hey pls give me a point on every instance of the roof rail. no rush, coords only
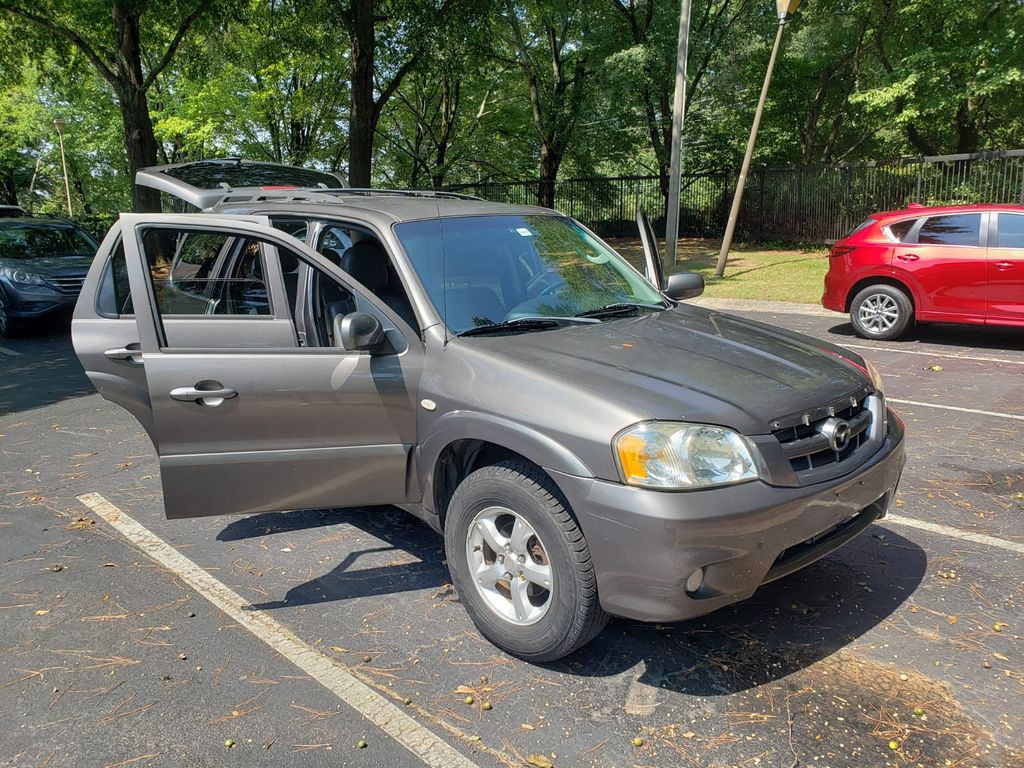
(368, 192)
(283, 195)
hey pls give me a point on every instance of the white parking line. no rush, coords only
(10, 352)
(956, 533)
(946, 355)
(996, 414)
(426, 745)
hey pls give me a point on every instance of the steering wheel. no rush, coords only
(550, 289)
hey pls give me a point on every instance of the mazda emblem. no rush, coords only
(837, 432)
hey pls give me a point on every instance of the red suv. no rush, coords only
(954, 264)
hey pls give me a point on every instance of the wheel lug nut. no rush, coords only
(522, 558)
(508, 576)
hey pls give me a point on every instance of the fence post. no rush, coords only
(920, 170)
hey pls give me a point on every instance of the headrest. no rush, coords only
(367, 262)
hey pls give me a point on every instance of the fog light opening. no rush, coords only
(694, 580)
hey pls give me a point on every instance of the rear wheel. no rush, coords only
(881, 312)
(520, 563)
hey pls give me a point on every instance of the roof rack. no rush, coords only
(284, 195)
(368, 192)
(329, 195)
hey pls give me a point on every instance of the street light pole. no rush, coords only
(59, 125)
(678, 117)
(785, 8)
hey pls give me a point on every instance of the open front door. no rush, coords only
(655, 272)
(244, 418)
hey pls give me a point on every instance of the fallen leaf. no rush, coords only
(689, 735)
(540, 761)
(338, 649)
(108, 565)
(42, 612)
(527, 727)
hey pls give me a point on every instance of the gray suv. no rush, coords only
(587, 444)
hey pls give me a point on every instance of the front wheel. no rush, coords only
(521, 564)
(881, 312)
(8, 325)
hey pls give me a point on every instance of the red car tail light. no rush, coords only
(840, 250)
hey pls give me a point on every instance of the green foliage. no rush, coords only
(465, 90)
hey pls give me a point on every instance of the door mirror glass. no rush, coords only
(684, 285)
(358, 331)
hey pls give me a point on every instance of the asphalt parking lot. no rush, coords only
(901, 649)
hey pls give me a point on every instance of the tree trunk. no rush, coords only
(8, 187)
(550, 160)
(363, 116)
(140, 143)
(139, 139)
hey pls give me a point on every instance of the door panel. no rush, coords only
(103, 324)
(652, 256)
(947, 265)
(1006, 270)
(297, 427)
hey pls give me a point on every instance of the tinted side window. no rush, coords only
(115, 297)
(901, 229)
(1011, 231)
(206, 273)
(958, 229)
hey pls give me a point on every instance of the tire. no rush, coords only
(545, 624)
(9, 326)
(881, 312)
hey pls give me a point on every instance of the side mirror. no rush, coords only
(684, 285)
(358, 331)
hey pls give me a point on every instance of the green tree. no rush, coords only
(127, 53)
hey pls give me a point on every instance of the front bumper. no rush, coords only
(29, 301)
(645, 543)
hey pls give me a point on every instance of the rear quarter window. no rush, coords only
(900, 230)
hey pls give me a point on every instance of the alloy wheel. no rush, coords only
(4, 320)
(878, 313)
(509, 566)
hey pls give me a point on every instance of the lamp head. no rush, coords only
(59, 124)
(786, 8)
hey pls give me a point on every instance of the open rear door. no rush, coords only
(204, 183)
(652, 256)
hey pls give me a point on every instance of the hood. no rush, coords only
(694, 364)
(51, 266)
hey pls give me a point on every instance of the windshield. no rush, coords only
(480, 270)
(31, 241)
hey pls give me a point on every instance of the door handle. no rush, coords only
(907, 256)
(210, 393)
(1002, 266)
(130, 354)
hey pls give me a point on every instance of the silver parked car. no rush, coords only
(586, 443)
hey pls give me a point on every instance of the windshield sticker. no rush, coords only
(524, 232)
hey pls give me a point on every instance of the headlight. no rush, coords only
(675, 455)
(875, 376)
(22, 277)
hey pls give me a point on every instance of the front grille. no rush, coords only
(67, 285)
(809, 446)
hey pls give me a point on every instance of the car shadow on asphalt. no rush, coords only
(786, 626)
(44, 370)
(980, 337)
(404, 554)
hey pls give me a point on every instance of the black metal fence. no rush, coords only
(802, 203)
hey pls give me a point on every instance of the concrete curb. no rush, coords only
(768, 307)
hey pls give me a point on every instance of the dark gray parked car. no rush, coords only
(42, 265)
(587, 444)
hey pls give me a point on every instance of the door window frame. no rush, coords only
(260, 228)
(995, 220)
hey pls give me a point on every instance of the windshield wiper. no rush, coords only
(539, 323)
(618, 308)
